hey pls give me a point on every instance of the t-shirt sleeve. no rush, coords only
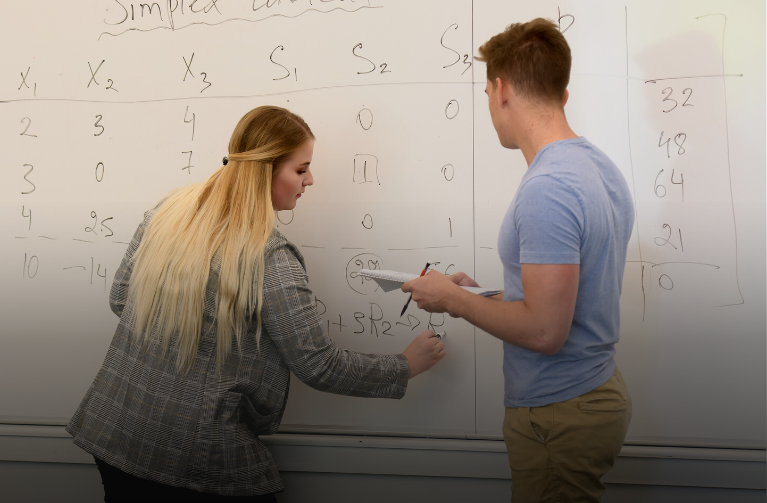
(549, 220)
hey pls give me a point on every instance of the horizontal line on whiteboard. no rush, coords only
(22, 237)
(742, 302)
(424, 248)
(352, 248)
(310, 246)
(645, 80)
(322, 88)
(487, 248)
(612, 75)
(246, 96)
(653, 81)
(75, 267)
(120, 242)
(655, 264)
(82, 240)
(46, 237)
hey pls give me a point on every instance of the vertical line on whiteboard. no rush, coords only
(631, 159)
(473, 210)
(729, 168)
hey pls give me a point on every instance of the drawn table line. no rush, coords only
(729, 164)
(318, 88)
(237, 97)
(653, 81)
(656, 264)
(74, 239)
(388, 249)
(631, 155)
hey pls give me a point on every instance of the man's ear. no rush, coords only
(503, 91)
(567, 95)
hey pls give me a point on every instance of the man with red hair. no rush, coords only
(563, 245)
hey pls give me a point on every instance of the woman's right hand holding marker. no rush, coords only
(424, 352)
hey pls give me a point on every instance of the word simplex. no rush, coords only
(145, 16)
(130, 12)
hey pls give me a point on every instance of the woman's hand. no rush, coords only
(424, 352)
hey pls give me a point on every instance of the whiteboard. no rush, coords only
(107, 105)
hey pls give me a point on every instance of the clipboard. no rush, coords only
(393, 280)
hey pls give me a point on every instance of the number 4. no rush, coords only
(681, 182)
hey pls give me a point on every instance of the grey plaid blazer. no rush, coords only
(200, 431)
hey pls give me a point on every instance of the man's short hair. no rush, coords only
(534, 57)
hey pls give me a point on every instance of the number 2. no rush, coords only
(688, 98)
(29, 123)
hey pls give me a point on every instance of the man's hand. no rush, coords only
(434, 292)
(462, 279)
(540, 322)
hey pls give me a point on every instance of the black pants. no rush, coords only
(122, 487)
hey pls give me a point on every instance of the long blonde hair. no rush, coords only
(229, 216)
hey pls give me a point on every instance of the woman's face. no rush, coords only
(292, 177)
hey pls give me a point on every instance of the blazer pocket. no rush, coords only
(603, 403)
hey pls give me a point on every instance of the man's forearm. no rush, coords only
(510, 321)
(541, 322)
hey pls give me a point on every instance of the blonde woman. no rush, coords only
(215, 310)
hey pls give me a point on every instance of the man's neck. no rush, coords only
(543, 127)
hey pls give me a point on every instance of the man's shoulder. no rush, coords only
(570, 154)
(576, 163)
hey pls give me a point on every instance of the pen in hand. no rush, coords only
(411, 295)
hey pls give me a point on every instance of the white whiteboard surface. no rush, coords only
(107, 105)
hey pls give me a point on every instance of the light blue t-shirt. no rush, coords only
(573, 206)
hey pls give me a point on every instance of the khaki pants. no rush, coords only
(559, 452)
